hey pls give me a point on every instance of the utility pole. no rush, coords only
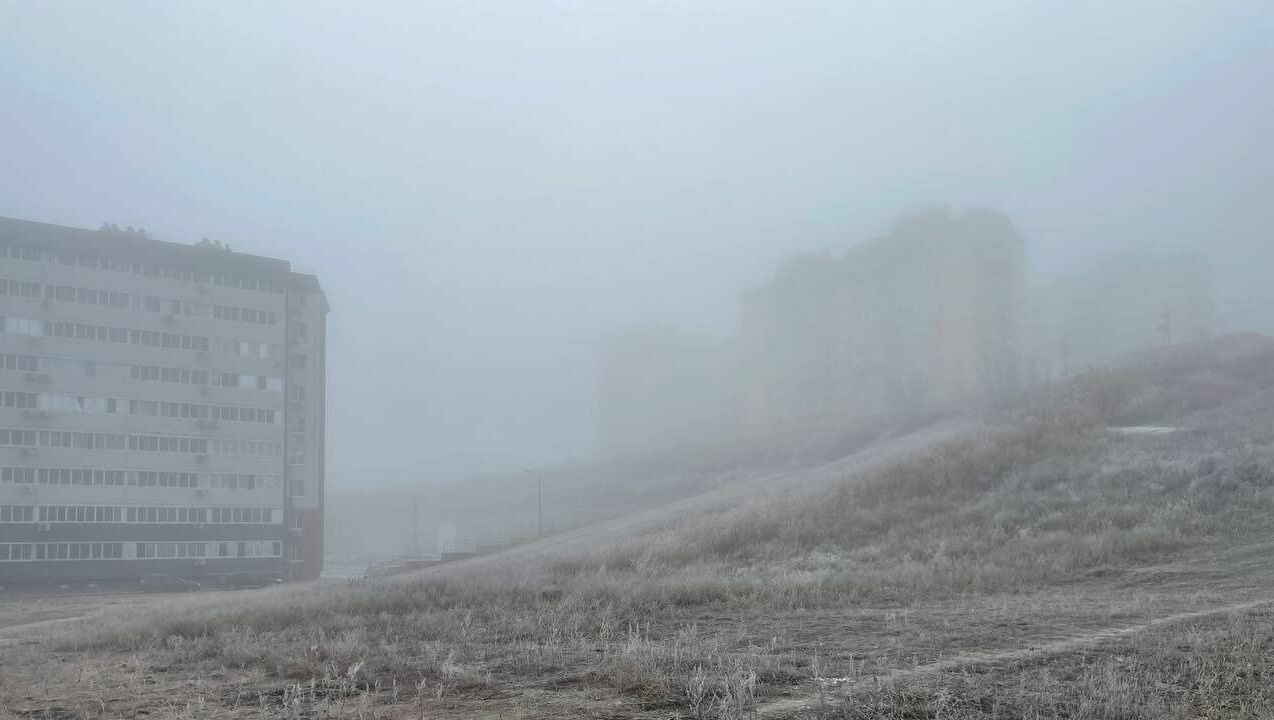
(1165, 324)
(539, 502)
(415, 525)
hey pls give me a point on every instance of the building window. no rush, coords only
(17, 513)
(15, 552)
(20, 363)
(296, 488)
(18, 552)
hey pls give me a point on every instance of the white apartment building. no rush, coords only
(161, 409)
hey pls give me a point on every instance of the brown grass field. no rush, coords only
(1026, 562)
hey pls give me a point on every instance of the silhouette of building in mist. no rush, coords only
(928, 314)
(161, 408)
(1126, 302)
(935, 312)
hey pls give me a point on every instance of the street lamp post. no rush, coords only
(539, 502)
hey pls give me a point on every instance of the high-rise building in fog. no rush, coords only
(930, 313)
(161, 408)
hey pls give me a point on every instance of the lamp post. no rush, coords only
(539, 503)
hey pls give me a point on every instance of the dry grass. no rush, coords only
(1219, 669)
(706, 615)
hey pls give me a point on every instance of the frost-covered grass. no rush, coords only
(702, 615)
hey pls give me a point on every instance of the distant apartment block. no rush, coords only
(161, 409)
(929, 314)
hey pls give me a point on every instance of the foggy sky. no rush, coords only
(485, 188)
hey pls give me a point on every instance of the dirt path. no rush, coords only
(7, 634)
(841, 689)
(23, 617)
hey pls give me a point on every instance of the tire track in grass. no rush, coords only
(839, 692)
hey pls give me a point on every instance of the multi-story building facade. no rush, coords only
(926, 315)
(161, 409)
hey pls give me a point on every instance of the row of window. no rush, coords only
(104, 333)
(245, 549)
(101, 441)
(140, 443)
(82, 513)
(106, 298)
(20, 552)
(133, 336)
(83, 405)
(17, 513)
(24, 400)
(142, 478)
(21, 363)
(247, 448)
(27, 552)
(18, 288)
(238, 348)
(142, 373)
(243, 481)
(247, 315)
(166, 550)
(197, 411)
(155, 373)
(134, 514)
(86, 260)
(254, 516)
(147, 303)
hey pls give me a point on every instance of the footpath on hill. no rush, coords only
(1211, 582)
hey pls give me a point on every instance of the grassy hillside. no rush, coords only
(1043, 523)
(384, 521)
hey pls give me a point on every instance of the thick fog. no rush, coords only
(488, 189)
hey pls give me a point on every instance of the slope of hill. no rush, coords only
(388, 521)
(1081, 570)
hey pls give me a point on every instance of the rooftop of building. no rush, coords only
(812, 272)
(137, 244)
